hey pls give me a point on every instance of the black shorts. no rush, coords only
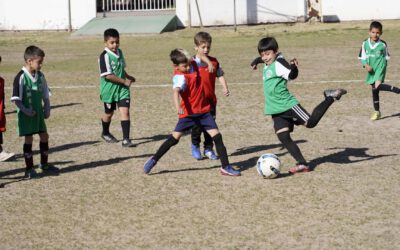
(205, 121)
(297, 115)
(1, 138)
(110, 107)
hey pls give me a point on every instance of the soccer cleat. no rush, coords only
(196, 152)
(299, 168)
(127, 143)
(4, 156)
(376, 115)
(228, 170)
(209, 153)
(47, 168)
(30, 173)
(109, 138)
(150, 163)
(335, 93)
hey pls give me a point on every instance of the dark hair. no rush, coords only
(202, 37)
(376, 25)
(33, 52)
(267, 43)
(110, 33)
(179, 56)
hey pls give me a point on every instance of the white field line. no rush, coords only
(170, 85)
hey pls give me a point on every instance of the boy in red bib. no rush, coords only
(193, 109)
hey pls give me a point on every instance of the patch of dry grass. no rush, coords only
(102, 199)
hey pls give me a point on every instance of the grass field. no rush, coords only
(102, 200)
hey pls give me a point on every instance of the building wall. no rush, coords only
(44, 14)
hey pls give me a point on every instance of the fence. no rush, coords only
(137, 5)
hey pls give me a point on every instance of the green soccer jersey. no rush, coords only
(112, 63)
(375, 54)
(277, 96)
(31, 91)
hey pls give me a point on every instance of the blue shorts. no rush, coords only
(206, 121)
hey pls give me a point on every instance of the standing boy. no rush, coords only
(284, 108)
(114, 87)
(202, 42)
(4, 156)
(193, 109)
(374, 55)
(31, 96)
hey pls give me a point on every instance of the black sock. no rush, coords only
(126, 126)
(196, 135)
(319, 111)
(170, 142)
(44, 152)
(375, 98)
(221, 150)
(387, 87)
(291, 147)
(106, 127)
(28, 155)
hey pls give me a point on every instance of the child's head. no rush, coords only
(375, 30)
(202, 42)
(181, 60)
(111, 39)
(268, 49)
(34, 57)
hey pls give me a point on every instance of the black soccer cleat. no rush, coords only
(335, 93)
(127, 143)
(109, 138)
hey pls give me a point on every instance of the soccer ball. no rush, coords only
(268, 166)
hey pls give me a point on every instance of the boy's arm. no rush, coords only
(255, 62)
(117, 80)
(133, 79)
(178, 85)
(288, 71)
(106, 72)
(18, 95)
(46, 99)
(224, 84)
(177, 101)
(205, 59)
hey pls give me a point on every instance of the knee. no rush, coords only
(217, 138)
(44, 137)
(284, 137)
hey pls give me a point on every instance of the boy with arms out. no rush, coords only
(374, 55)
(31, 96)
(4, 156)
(202, 41)
(284, 108)
(114, 87)
(193, 109)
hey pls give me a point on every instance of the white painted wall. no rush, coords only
(221, 12)
(347, 10)
(44, 14)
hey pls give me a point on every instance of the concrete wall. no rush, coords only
(221, 12)
(44, 14)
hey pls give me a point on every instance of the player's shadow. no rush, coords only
(184, 170)
(389, 116)
(258, 148)
(63, 147)
(151, 139)
(52, 107)
(343, 156)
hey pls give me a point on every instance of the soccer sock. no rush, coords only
(44, 152)
(221, 150)
(196, 135)
(126, 126)
(319, 111)
(291, 147)
(387, 87)
(208, 141)
(170, 142)
(106, 127)
(28, 155)
(375, 98)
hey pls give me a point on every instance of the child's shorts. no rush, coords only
(206, 121)
(110, 107)
(297, 115)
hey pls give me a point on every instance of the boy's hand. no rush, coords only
(210, 67)
(133, 79)
(294, 61)
(180, 111)
(368, 68)
(30, 112)
(254, 67)
(128, 82)
(226, 92)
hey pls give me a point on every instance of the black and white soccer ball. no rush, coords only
(268, 166)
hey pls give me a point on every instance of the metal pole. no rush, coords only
(234, 14)
(69, 16)
(198, 12)
(189, 14)
(104, 9)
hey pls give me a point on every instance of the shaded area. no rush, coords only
(343, 157)
(389, 116)
(151, 139)
(52, 107)
(185, 170)
(258, 148)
